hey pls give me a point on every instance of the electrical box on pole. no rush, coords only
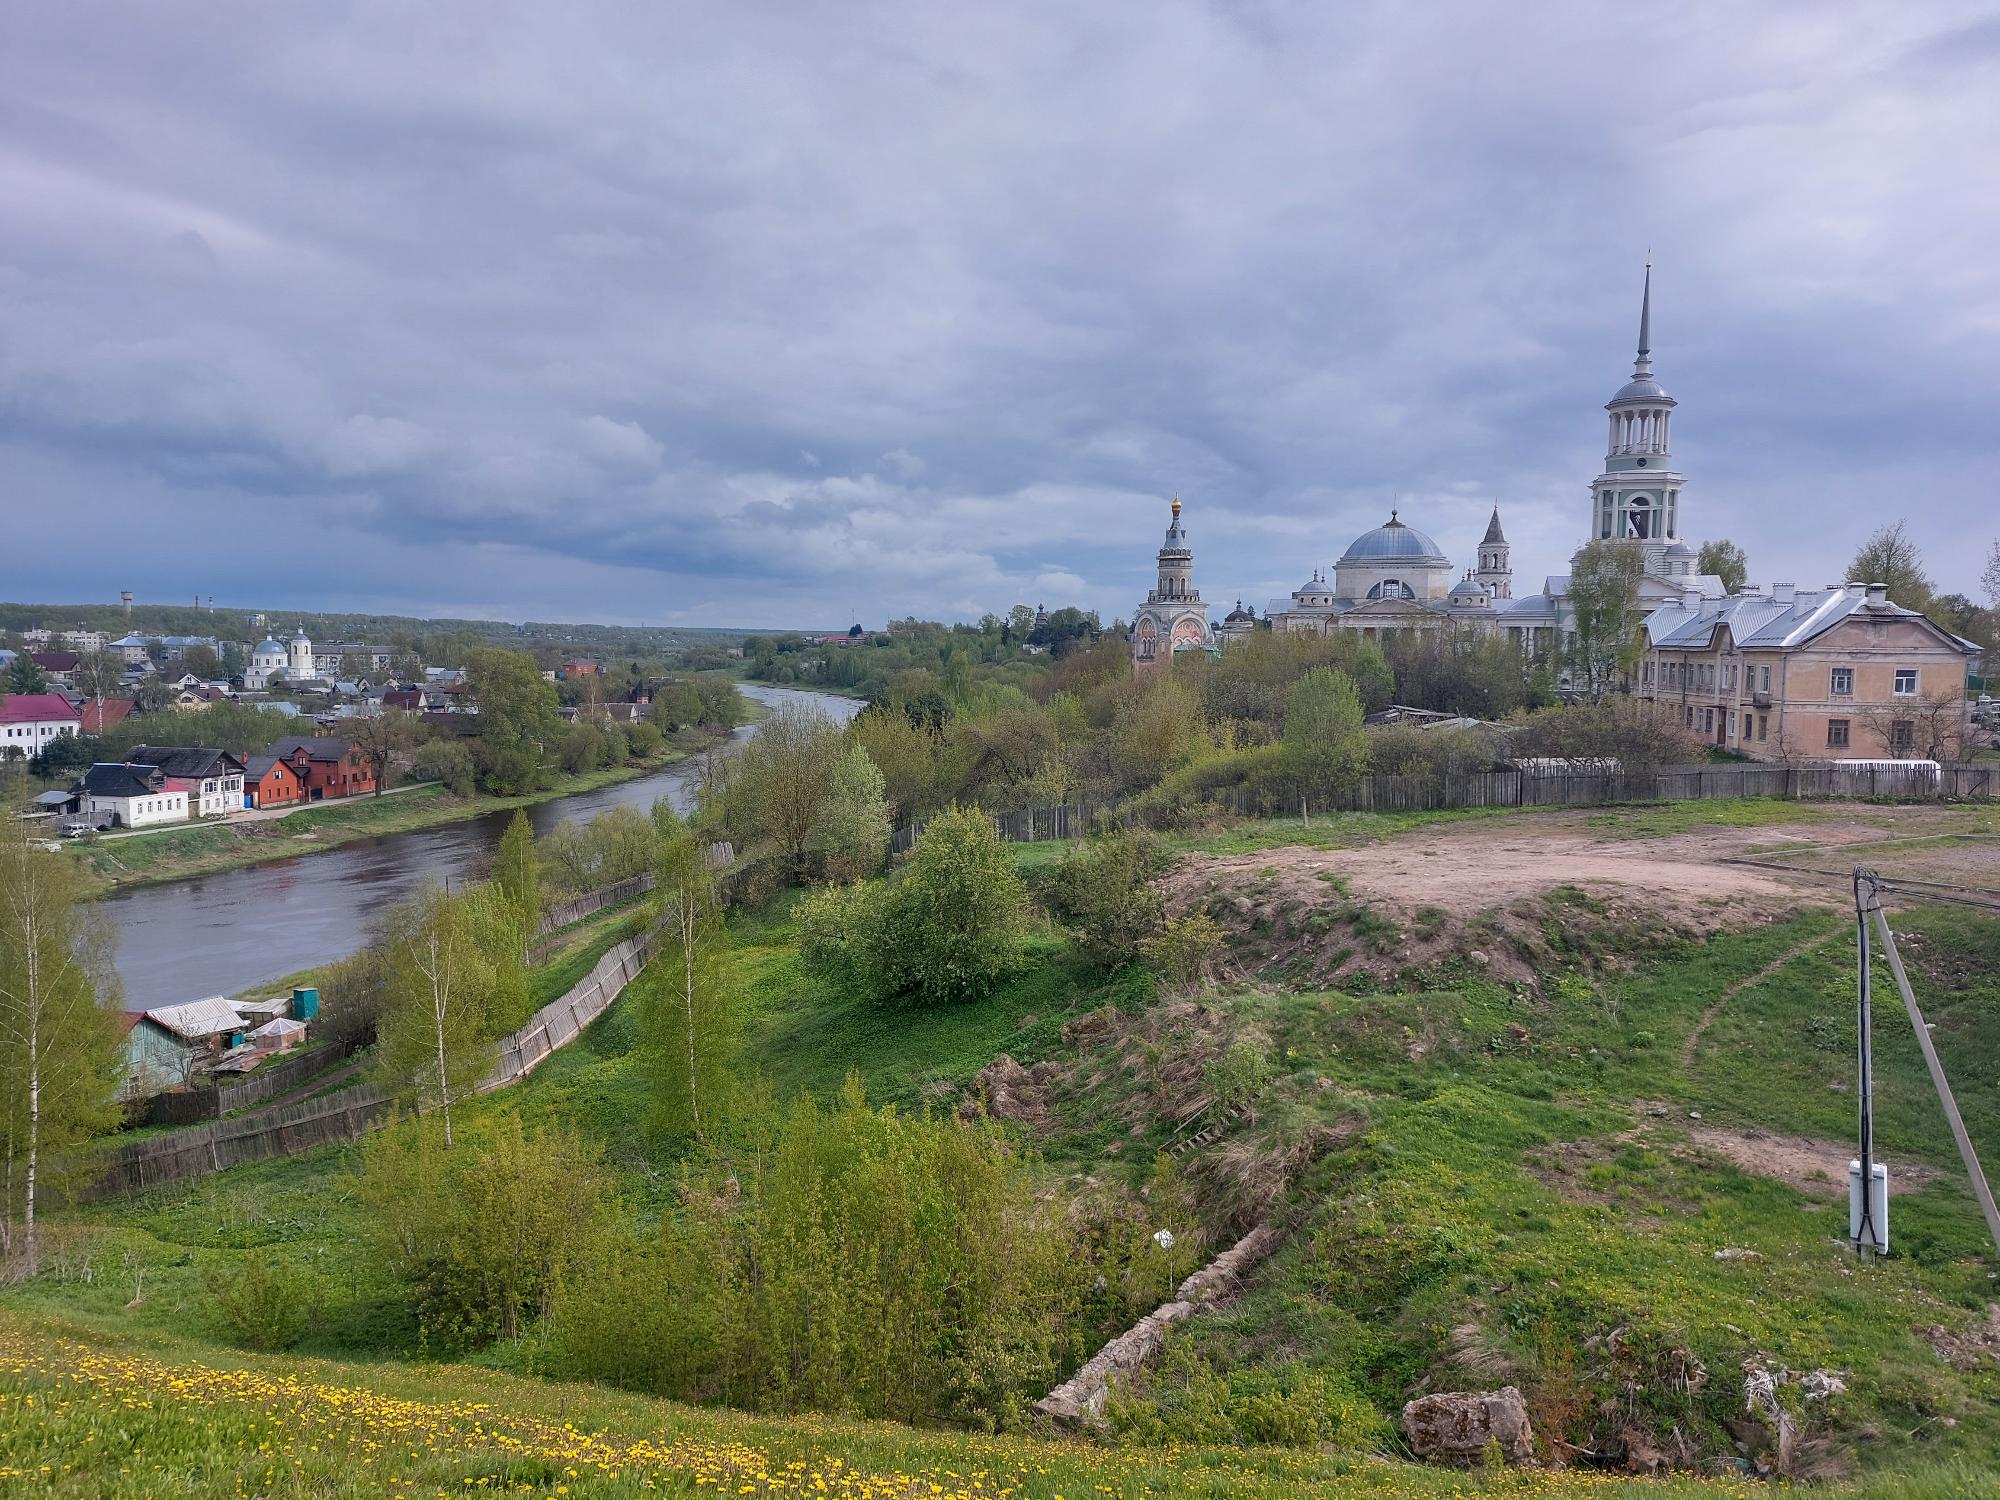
(1868, 1223)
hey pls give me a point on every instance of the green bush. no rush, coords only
(260, 1303)
(1100, 892)
(478, 1235)
(946, 931)
(1182, 950)
(848, 1260)
(1188, 1401)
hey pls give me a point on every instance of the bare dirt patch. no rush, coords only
(1477, 890)
(1817, 1168)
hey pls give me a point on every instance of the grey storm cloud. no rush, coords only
(791, 315)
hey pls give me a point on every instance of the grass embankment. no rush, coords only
(209, 848)
(1481, 1182)
(164, 1418)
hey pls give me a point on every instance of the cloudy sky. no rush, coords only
(796, 314)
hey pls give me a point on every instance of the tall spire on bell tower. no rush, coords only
(1638, 496)
(1642, 367)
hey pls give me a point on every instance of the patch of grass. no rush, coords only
(160, 1417)
(1325, 831)
(1660, 819)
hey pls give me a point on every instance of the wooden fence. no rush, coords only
(282, 1130)
(219, 1100)
(574, 910)
(286, 1129)
(1524, 788)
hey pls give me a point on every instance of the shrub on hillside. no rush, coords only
(856, 1260)
(260, 1303)
(350, 997)
(1183, 950)
(478, 1235)
(946, 930)
(1186, 1400)
(1100, 892)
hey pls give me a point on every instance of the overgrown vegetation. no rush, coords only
(1479, 1179)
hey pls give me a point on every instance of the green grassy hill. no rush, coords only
(1483, 1178)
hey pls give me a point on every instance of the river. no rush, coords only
(221, 934)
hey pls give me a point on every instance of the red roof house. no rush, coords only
(327, 767)
(100, 714)
(28, 721)
(271, 782)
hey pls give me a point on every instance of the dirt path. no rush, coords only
(1796, 951)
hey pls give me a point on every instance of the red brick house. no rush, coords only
(271, 782)
(327, 767)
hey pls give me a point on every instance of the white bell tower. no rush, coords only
(1638, 496)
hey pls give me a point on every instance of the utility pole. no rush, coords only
(1870, 1238)
(1868, 904)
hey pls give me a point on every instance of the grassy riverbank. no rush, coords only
(210, 848)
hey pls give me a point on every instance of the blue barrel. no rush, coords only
(305, 1004)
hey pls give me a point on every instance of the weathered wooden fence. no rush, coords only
(558, 1023)
(1951, 782)
(574, 910)
(282, 1130)
(220, 1099)
(287, 1129)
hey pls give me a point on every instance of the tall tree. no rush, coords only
(203, 661)
(1325, 744)
(1989, 578)
(383, 736)
(434, 1027)
(24, 675)
(781, 779)
(685, 1014)
(1726, 561)
(518, 874)
(99, 675)
(851, 833)
(59, 1039)
(1890, 557)
(1604, 605)
(518, 722)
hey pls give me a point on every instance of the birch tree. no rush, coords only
(435, 1036)
(685, 1015)
(59, 1041)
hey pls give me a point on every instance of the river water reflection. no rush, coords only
(219, 934)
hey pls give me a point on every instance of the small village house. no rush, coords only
(213, 779)
(28, 721)
(115, 795)
(58, 666)
(271, 782)
(173, 1046)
